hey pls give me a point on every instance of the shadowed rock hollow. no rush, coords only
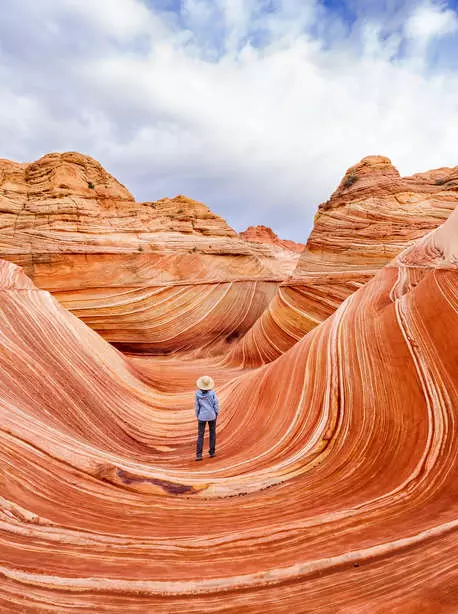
(334, 488)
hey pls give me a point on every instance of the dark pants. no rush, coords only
(200, 436)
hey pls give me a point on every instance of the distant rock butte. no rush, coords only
(263, 234)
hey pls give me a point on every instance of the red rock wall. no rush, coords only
(162, 276)
(334, 488)
(373, 215)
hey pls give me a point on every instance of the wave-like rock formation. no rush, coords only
(373, 215)
(264, 234)
(163, 276)
(334, 489)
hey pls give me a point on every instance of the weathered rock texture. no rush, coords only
(345, 450)
(264, 234)
(372, 216)
(159, 276)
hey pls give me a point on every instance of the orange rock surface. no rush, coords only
(263, 234)
(372, 216)
(158, 276)
(334, 488)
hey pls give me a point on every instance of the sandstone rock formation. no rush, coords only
(371, 217)
(172, 277)
(157, 276)
(263, 234)
(334, 488)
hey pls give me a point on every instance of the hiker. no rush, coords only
(207, 410)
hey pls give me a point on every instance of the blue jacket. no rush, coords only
(206, 405)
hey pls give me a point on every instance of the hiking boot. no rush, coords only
(212, 455)
(198, 458)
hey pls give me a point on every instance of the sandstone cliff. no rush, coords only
(370, 218)
(157, 276)
(335, 480)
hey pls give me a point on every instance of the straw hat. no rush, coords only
(205, 383)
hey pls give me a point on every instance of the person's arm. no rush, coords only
(197, 406)
(215, 403)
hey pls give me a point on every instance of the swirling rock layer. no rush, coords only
(373, 215)
(164, 276)
(334, 488)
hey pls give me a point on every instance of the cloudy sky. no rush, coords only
(255, 107)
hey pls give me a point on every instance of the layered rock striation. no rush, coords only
(164, 276)
(264, 234)
(372, 216)
(334, 488)
(171, 277)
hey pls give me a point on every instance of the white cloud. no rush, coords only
(430, 20)
(122, 19)
(259, 116)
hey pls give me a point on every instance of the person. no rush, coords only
(207, 410)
